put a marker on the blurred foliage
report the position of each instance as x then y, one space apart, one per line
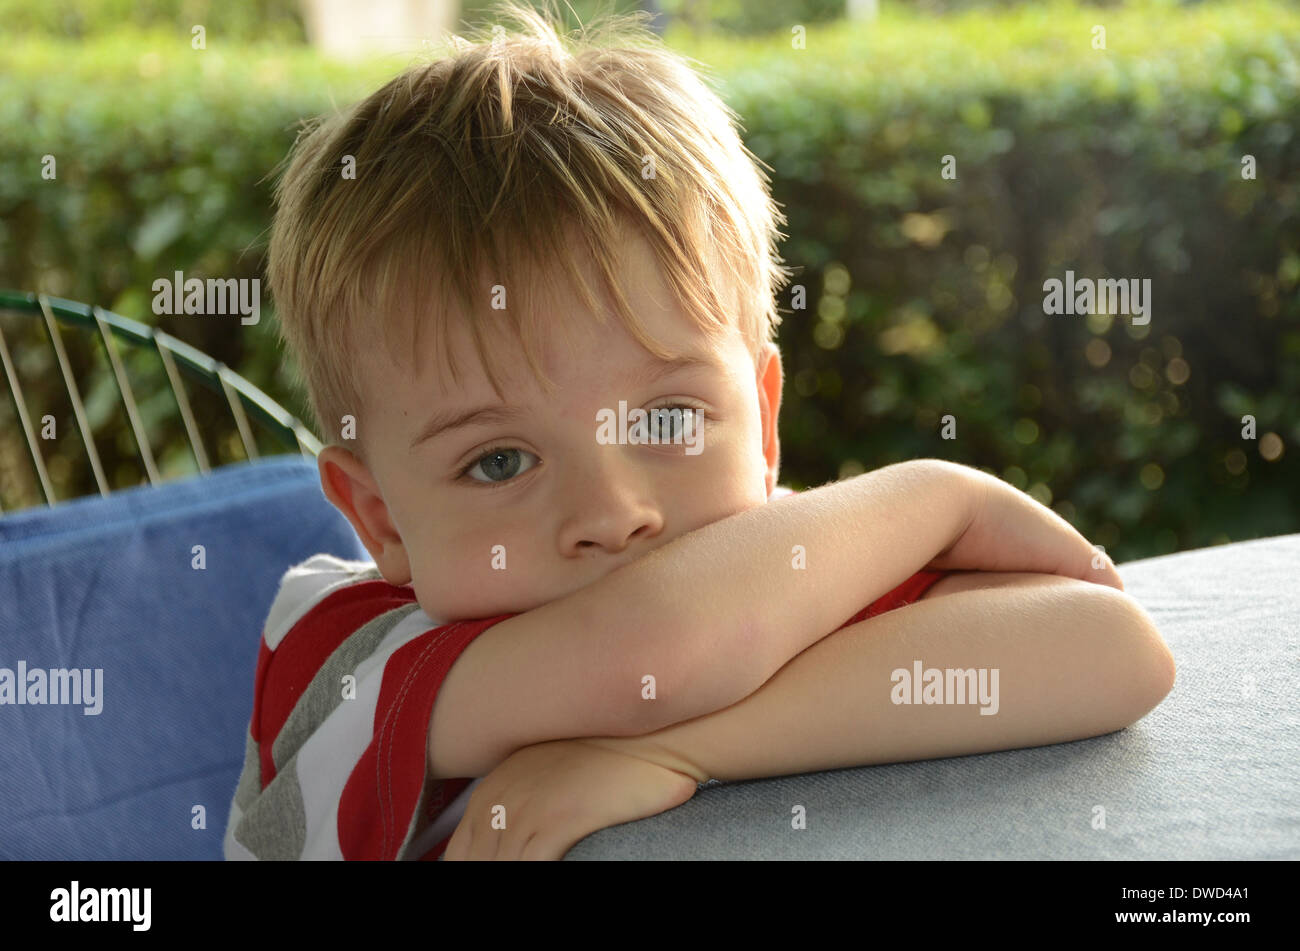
282 20
924 295
241 21
738 17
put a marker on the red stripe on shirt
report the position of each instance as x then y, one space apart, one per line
383 790
435 853
259 678
906 593
289 669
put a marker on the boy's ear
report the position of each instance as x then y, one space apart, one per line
769 405
348 484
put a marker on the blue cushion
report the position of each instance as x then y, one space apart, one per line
109 584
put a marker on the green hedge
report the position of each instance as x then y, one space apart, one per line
260 20
924 294
244 21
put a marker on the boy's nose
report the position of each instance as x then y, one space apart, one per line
608 508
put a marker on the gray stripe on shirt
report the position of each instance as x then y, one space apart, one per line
274 822
250 779
274 827
325 692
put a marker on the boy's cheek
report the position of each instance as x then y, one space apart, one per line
455 588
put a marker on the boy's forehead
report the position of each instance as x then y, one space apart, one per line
568 342
572 351
572 348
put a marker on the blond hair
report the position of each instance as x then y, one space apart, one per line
527 143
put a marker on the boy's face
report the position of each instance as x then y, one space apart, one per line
565 507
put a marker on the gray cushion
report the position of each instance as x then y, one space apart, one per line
1211 773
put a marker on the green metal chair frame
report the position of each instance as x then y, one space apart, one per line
242 397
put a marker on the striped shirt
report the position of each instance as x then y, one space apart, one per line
335 761
336 755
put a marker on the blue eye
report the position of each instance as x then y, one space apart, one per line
499 461
501 464
672 426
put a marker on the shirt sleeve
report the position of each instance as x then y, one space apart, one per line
380 814
336 754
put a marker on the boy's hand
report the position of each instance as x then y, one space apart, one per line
1010 531
556 793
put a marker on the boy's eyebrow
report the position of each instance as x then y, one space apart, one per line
655 370
651 372
443 422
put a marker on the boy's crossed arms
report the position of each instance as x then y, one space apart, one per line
1075 660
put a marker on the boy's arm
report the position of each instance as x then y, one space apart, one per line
1074 660
711 616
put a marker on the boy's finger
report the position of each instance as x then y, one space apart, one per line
1109 575
495 842
524 847
509 845
455 851
544 848
482 850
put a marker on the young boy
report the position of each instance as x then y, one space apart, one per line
592 621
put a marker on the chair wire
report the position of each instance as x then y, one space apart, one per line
128 398
16 392
176 357
74 393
